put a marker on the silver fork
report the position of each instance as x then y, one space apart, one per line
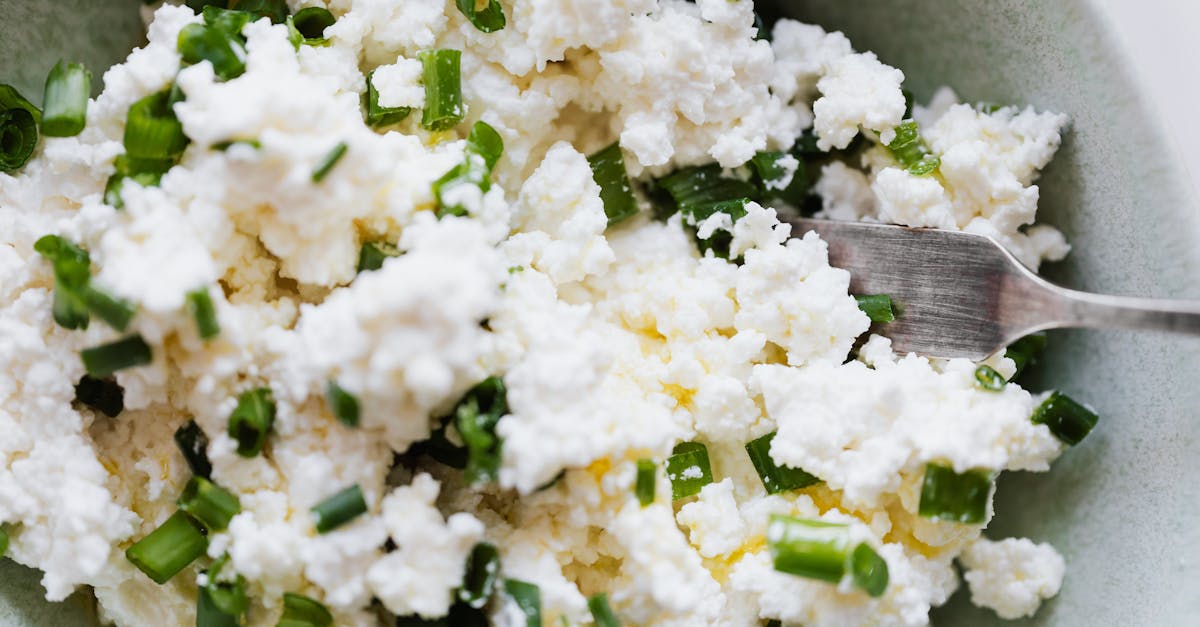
964 295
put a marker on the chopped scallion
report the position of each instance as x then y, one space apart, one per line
209 615
3 542
222 48
343 404
528 597
372 255
643 486
488 20
19 121
780 176
483 567
1066 418
339 509
822 550
952 496
103 395
152 131
106 359
328 162
65 102
380 116
115 312
608 170
301 611
910 150
193 444
869 570
475 419
169 548
688 469
987 378
1025 352
276 10
775 478
252 420
311 23
878 307
201 306
220 16
227 596
443 89
601 611
484 147
210 504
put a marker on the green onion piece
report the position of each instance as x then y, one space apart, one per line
528 597
145 172
688 469
699 186
3 542
223 18
372 255
601 612
483 567
489 20
1025 352
229 597
311 23
106 359
475 418
443 89
775 478
806 145
608 170
441 449
869 570
910 150
252 420
193 444
908 103
276 10
230 143
72 270
328 162
209 615
987 378
643 487
339 509
223 49
152 131
19 121
103 395
761 32
70 312
379 116
66 100
203 312
210 504
168 549
769 174
343 404
822 550
878 307
115 312
948 495
299 610
1066 418
484 147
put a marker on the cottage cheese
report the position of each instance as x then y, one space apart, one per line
615 343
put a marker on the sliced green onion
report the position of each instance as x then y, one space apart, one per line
1025 352
311 23
761 33
106 359
299 611
372 255
115 312
987 378
230 143
145 172
152 131
19 121
475 418
948 495
878 307
72 270
700 192
910 150
441 449
220 16
223 49
688 469
70 312
343 404
66 100
489 20
822 550
775 478
328 162
201 306
209 615
193 444
608 170
252 420
528 597
484 147
168 549
103 395
1066 418
483 567
339 509
908 103
276 10
210 504
443 89
229 597
601 611
379 116
643 486
769 172
3 542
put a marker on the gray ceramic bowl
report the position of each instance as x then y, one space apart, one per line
1122 507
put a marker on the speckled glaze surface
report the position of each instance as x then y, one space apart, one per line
1124 507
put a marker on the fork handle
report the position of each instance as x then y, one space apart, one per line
1062 307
